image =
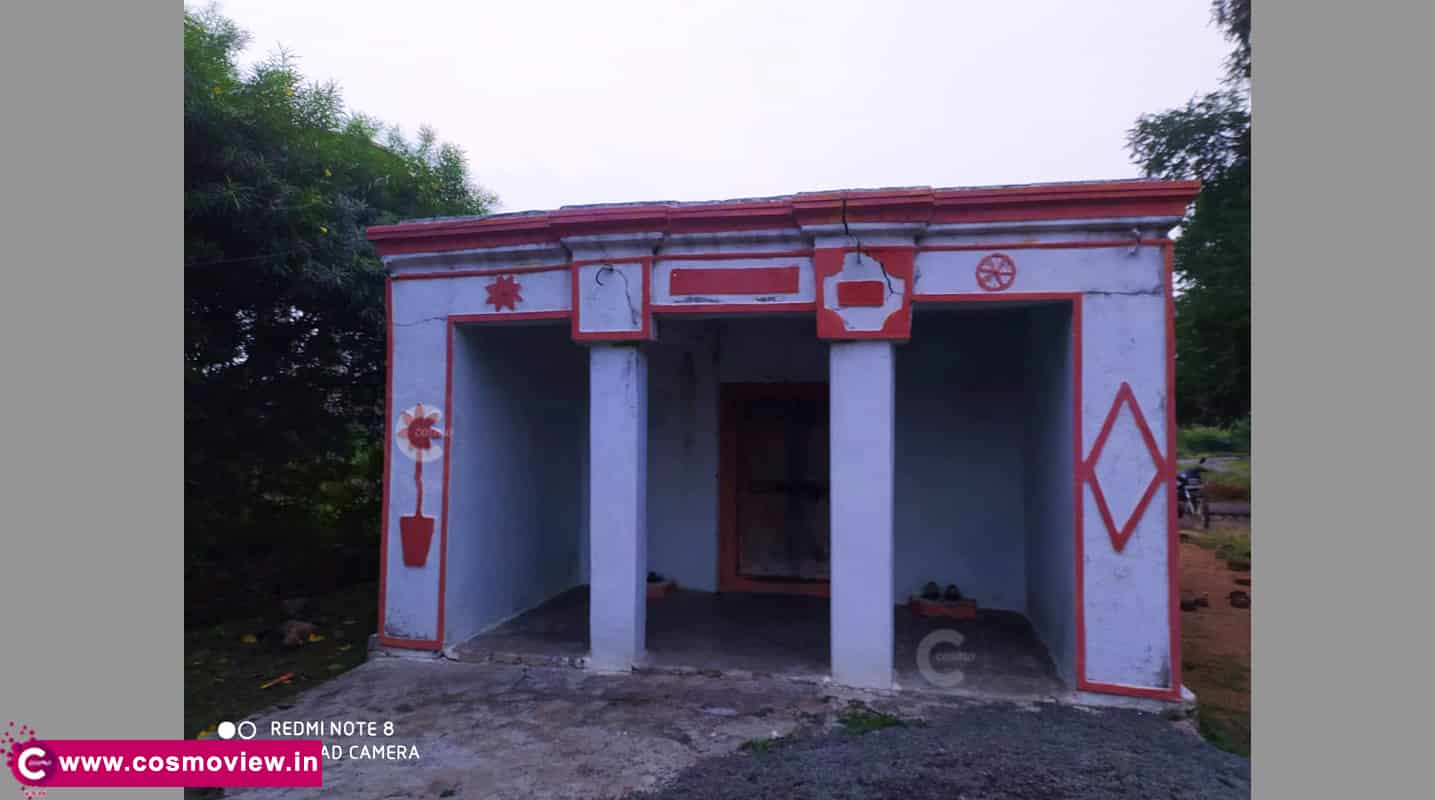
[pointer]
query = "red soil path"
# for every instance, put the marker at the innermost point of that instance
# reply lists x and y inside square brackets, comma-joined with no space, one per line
[1215,640]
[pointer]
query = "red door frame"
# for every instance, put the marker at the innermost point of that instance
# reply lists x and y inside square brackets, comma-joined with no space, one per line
[732,397]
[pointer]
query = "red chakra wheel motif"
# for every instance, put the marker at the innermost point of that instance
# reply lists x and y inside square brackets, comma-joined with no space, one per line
[996,272]
[504,293]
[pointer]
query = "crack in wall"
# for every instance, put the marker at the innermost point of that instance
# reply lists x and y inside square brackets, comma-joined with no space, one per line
[633,314]
[1154,292]
[439,318]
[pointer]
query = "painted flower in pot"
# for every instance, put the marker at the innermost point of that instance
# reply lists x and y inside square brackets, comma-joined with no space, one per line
[419,438]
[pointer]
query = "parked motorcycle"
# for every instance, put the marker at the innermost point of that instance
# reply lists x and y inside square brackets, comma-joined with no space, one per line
[1191,494]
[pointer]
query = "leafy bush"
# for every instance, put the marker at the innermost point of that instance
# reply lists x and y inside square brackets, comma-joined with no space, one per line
[1241,435]
[1202,439]
[1195,440]
[1231,482]
[284,319]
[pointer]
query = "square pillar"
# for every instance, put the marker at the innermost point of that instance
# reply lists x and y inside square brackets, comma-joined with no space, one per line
[617,504]
[861,380]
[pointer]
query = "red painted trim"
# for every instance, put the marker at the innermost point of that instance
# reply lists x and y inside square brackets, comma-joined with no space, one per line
[498,316]
[609,219]
[1140,198]
[411,644]
[1078,477]
[1146,692]
[861,293]
[388,449]
[819,208]
[733,308]
[852,336]
[959,609]
[1173,533]
[729,216]
[449,333]
[720,256]
[1031,244]
[826,262]
[898,261]
[1064,201]
[384,638]
[1167,473]
[987,297]
[1120,536]
[460,234]
[645,330]
[889,205]
[731,396]
[718,280]
[474,273]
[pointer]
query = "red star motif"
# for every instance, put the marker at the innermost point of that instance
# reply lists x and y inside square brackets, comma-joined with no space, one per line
[504,292]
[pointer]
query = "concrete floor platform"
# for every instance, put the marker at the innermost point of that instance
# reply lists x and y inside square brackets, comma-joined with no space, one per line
[781,635]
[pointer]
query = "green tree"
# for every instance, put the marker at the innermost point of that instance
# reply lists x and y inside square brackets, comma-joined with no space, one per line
[284,314]
[1210,139]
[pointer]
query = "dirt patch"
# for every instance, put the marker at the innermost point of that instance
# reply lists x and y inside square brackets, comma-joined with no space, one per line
[238,667]
[1216,647]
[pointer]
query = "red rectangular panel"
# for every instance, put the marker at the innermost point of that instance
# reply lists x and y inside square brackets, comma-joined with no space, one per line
[861,293]
[718,280]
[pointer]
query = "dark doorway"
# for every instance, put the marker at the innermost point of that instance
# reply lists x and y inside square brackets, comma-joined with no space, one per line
[775,515]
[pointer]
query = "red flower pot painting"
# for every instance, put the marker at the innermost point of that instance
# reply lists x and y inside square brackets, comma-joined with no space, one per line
[419,438]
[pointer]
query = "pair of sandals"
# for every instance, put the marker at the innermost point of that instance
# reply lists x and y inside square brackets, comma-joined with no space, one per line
[931,592]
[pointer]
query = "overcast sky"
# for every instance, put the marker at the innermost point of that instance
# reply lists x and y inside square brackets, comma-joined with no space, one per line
[625,100]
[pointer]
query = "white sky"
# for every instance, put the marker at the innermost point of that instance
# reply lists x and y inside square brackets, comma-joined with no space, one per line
[623,100]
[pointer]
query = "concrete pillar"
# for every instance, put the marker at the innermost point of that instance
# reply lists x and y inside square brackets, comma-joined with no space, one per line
[861,381]
[617,504]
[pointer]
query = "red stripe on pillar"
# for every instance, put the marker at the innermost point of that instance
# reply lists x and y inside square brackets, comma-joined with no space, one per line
[861,293]
[716,280]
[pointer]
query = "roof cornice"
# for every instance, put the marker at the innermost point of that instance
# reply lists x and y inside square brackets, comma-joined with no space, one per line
[911,205]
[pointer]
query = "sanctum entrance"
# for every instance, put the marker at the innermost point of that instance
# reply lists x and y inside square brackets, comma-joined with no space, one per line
[776,518]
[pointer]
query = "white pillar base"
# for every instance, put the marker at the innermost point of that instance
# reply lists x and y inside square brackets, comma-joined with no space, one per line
[861,380]
[617,504]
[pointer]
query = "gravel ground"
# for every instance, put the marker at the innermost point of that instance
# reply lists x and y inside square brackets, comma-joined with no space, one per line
[553,733]
[981,752]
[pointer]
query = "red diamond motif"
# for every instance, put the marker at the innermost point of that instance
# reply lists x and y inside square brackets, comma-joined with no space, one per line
[1119,536]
